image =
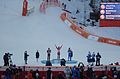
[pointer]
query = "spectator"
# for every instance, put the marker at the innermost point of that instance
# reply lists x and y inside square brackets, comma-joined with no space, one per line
[37,55]
[25,57]
[67,72]
[30,74]
[103,75]
[37,75]
[19,74]
[80,64]
[8,74]
[72,70]
[81,67]
[14,71]
[98,56]
[60,76]
[118,74]
[81,72]
[49,73]
[114,72]
[93,58]
[89,58]
[75,73]
[89,73]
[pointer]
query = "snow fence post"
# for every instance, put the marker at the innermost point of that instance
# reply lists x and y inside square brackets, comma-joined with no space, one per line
[25,5]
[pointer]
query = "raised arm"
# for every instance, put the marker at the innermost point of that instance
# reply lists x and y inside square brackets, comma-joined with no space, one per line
[61,46]
[56,46]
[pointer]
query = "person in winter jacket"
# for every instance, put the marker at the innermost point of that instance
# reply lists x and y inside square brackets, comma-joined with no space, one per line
[98,56]
[8,74]
[70,54]
[36,74]
[89,58]
[93,58]
[62,62]
[29,74]
[60,75]
[89,73]
[48,54]
[25,57]
[37,55]
[49,73]
[75,73]
[67,72]
[6,59]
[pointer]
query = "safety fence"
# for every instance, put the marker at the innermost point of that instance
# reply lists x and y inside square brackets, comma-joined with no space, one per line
[85,34]
[47,3]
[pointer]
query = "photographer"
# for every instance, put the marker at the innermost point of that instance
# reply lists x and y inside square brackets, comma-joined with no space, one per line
[7,58]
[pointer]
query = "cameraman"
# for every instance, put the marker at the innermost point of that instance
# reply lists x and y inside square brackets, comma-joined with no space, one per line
[6,59]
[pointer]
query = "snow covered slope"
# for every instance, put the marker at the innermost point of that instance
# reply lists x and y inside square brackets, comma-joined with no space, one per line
[40,31]
[84,14]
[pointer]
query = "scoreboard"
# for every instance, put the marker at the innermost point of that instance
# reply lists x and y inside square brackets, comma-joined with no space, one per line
[110,11]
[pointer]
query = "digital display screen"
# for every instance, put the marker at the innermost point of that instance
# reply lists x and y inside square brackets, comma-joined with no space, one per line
[110,11]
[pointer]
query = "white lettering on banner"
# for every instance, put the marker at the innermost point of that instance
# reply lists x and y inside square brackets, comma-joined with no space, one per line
[110,11]
[68,23]
[110,41]
[91,37]
[44,68]
[100,68]
[112,16]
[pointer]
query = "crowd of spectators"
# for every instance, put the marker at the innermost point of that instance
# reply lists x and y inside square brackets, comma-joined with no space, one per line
[68,72]
[13,72]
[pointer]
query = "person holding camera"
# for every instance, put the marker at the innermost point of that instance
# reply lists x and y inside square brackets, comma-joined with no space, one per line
[6,59]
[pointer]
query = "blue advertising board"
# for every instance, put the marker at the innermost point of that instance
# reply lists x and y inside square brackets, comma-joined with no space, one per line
[110,11]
